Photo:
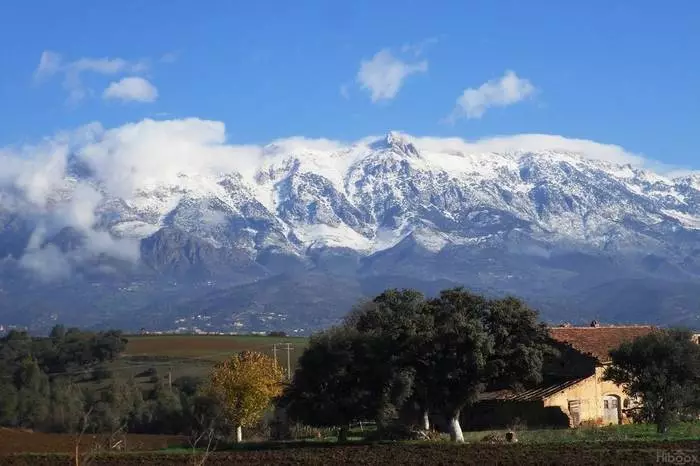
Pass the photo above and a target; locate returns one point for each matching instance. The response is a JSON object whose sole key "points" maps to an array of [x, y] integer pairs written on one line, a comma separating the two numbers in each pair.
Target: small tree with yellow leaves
{"points": [[245, 385]]}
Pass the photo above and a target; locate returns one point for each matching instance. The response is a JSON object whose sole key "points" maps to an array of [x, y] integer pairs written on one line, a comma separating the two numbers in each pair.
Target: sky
{"points": [[624, 72]]}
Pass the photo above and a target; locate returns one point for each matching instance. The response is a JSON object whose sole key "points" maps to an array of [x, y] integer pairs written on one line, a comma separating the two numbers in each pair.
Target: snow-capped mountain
{"points": [[572, 234], [370, 195]]}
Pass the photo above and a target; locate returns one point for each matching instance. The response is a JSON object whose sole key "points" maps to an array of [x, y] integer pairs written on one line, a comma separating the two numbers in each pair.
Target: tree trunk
{"points": [[343, 434], [455, 429], [661, 427], [426, 420], [662, 421], [239, 434]]}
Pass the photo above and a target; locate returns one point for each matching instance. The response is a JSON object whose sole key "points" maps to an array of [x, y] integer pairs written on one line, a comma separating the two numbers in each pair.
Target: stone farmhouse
{"points": [[573, 391]]}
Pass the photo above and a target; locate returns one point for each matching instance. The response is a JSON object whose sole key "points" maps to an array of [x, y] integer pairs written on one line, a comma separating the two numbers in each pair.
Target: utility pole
{"points": [[289, 364], [170, 379]]}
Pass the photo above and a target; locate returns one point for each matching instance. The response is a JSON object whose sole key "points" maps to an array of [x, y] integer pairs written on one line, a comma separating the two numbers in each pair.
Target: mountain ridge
{"points": [[523, 222]]}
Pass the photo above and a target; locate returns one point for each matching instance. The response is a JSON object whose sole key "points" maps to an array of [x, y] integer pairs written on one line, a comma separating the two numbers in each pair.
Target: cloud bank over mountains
{"points": [[63, 180]]}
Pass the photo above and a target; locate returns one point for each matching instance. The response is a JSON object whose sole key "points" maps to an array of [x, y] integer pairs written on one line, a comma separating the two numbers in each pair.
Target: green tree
{"points": [[8, 403], [58, 332], [329, 388], [245, 385], [662, 371], [520, 344], [395, 325], [33, 395], [66, 407], [456, 359], [439, 354], [478, 344]]}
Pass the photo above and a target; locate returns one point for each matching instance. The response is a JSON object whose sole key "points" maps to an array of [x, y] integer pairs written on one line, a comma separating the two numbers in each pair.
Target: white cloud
{"points": [[502, 92], [170, 57], [49, 64], [137, 156], [533, 143], [52, 63], [419, 48], [132, 88], [47, 263], [345, 91], [384, 74]]}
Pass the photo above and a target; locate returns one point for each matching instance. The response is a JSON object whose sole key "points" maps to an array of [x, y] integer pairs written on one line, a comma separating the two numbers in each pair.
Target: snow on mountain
{"points": [[369, 195]]}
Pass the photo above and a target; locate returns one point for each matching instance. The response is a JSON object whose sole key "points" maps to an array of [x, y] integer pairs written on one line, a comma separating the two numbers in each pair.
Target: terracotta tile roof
{"points": [[598, 341]]}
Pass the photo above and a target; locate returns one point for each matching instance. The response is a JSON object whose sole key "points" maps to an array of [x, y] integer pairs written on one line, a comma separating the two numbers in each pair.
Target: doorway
{"points": [[611, 409]]}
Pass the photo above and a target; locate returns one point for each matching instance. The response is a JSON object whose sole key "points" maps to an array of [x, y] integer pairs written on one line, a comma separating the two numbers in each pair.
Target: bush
{"points": [[188, 384], [277, 334], [304, 432], [398, 431]]}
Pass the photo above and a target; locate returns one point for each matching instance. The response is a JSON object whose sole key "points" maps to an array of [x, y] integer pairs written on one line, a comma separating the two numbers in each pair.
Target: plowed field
{"points": [[22, 441], [611, 453]]}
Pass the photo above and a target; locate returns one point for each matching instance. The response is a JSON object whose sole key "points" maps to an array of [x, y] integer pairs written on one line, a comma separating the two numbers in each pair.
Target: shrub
{"points": [[494, 437], [398, 431], [101, 373]]}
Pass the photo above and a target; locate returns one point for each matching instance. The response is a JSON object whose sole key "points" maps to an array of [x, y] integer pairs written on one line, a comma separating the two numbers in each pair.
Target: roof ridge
{"points": [[577, 327]]}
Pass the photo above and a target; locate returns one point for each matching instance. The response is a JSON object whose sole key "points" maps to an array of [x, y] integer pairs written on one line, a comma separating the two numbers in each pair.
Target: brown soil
{"points": [[608, 453], [14, 441]]}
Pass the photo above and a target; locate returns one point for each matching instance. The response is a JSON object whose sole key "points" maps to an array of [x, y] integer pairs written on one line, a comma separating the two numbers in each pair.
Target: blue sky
{"points": [[623, 72]]}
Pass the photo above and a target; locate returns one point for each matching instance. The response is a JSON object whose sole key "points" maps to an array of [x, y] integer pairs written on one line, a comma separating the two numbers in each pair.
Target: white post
{"points": [[426, 420], [239, 434]]}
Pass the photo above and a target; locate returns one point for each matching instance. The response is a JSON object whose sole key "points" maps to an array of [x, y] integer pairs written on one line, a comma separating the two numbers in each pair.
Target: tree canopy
{"points": [[662, 371], [399, 347], [329, 389], [245, 385]]}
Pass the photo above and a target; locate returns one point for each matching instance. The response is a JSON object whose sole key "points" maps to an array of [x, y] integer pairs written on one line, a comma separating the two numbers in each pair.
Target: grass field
{"points": [[615, 433], [175, 356]]}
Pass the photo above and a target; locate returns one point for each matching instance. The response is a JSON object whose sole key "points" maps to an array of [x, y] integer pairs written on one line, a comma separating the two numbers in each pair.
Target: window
{"points": [[575, 412], [605, 404], [626, 403]]}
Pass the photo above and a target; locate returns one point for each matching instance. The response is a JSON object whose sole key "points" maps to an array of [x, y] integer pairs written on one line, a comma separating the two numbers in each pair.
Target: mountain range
{"points": [[292, 239]]}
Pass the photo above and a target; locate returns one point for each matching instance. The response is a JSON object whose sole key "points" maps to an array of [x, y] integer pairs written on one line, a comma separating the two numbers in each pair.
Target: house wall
{"points": [[589, 392]]}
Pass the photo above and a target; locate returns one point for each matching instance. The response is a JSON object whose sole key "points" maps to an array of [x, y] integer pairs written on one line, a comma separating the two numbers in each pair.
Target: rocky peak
{"points": [[399, 143]]}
